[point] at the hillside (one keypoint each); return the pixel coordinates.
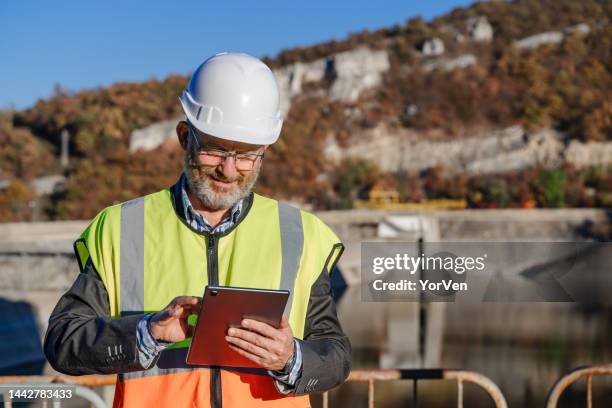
(543, 67)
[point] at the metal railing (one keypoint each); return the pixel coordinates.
(568, 379)
(84, 383)
(372, 376)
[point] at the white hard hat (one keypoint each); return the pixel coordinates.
(235, 97)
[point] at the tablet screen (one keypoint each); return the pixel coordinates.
(224, 307)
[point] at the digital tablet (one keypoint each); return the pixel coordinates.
(224, 307)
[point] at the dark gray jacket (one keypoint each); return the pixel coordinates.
(82, 338)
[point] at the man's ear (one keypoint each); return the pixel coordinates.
(182, 132)
(266, 148)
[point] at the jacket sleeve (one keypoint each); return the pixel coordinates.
(326, 350)
(82, 338)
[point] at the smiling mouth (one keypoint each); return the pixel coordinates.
(223, 183)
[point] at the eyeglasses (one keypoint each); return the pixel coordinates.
(213, 156)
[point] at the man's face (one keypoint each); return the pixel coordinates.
(219, 186)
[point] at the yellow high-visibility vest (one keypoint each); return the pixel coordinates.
(146, 255)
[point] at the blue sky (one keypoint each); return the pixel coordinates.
(86, 44)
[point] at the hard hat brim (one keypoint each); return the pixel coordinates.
(226, 131)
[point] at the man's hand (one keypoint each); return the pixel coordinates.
(263, 344)
(170, 325)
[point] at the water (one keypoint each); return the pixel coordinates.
(523, 347)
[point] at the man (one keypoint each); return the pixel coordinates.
(144, 263)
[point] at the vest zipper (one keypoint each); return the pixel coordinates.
(213, 279)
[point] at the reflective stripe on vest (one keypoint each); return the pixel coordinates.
(132, 257)
(292, 244)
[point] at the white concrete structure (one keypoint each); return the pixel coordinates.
(480, 29)
(432, 47)
(356, 71)
(537, 40)
(449, 64)
(151, 137)
(499, 151)
(351, 72)
(47, 184)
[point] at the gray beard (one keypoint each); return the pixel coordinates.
(202, 189)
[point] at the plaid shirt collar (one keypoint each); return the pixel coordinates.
(198, 222)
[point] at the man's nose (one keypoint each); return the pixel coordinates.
(228, 167)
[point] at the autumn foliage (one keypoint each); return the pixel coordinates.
(564, 86)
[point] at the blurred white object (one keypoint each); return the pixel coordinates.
(480, 29)
(432, 47)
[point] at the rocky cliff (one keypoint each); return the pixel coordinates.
(501, 151)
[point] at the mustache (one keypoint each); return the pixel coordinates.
(217, 175)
